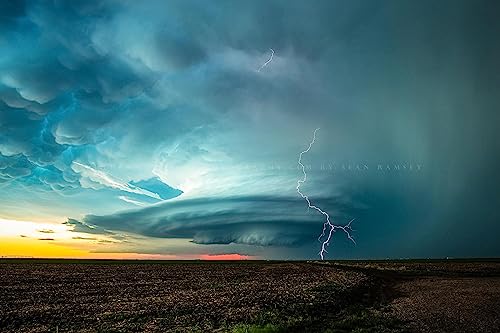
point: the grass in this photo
(361, 313)
(364, 320)
(353, 319)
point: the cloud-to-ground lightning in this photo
(268, 61)
(326, 234)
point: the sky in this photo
(172, 129)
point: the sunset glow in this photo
(231, 256)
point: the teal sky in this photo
(151, 128)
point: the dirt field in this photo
(93, 296)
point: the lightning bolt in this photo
(328, 227)
(268, 61)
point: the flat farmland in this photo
(252, 296)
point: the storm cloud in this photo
(108, 106)
(256, 220)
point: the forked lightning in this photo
(328, 227)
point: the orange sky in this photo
(56, 240)
(34, 248)
(17, 247)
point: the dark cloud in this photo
(46, 231)
(85, 228)
(13, 167)
(156, 186)
(137, 90)
(253, 220)
(178, 51)
(84, 238)
(11, 12)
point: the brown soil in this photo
(45, 296)
(159, 297)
